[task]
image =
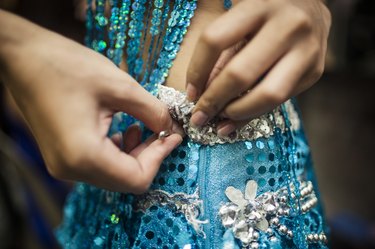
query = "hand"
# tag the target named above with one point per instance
(256, 56)
(68, 94)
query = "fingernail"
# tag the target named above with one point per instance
(191, 92)
(176, 128)
(226, 130)
(198, 119)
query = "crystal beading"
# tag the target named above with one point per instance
(189, 205)
(180, 109)
(247, 214)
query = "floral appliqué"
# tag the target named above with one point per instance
(247, 215)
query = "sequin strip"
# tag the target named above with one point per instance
(180, 109)
(188, 205)
(247, 214)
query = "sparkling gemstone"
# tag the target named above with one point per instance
(254, 216)
(263, 224)
(228, 215)
(269, 202)
(241, 230)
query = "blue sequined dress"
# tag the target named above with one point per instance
(255, 189)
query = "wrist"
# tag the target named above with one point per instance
(15, 32)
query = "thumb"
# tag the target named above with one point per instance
(133, 99)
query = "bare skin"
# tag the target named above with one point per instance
(286, 43)
(67, 93)
(225, 54)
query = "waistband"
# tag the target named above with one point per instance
(181, 109)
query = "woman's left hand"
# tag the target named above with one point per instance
(281, 53)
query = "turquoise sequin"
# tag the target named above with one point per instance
(149, 34)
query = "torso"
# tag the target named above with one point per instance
(205, 14)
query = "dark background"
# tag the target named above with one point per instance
(338, 116)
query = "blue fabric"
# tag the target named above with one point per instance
(89, 216)
(95, 218)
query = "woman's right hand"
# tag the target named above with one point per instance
(68, 94)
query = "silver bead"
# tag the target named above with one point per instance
(280, 211)
(283, 229)
(316, 237)
(325, 238)
(275, 221)
(255, 235)
(289, 234)
(310, 237)
(254, 245)
(283, 198)
(286, 212)
(163, 134)
(269, 231)
(321, 237)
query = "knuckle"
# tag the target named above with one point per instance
(209, 104)
(301, 20)
(234, 114)
(164, 118)
(238, 77)
(210, 38)
(274, 96)
(316, 60)
(192, 75)
(317, 72)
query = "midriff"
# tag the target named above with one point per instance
(206, 13)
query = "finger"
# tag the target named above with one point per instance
(278, 86)
(137, 150)
(128, 96)
(227, 127)
(224, 58)
(151, 157)
(244, 70)
(117, 139)
(243, 19)
(132, 138)
(124, 173)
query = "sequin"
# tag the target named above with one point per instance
(249, 145)
(181, 167)
(150, 33)
(189, 205)
(180, 109)
(115, 219)
(248, 214)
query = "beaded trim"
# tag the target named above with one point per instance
(180, 109)
(247, 214)
(189, 205)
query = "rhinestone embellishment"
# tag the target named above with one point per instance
(247, 214)
(180, 109)
(189, 205)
